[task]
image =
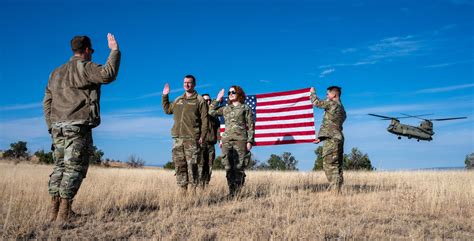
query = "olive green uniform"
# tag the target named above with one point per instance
(190, 124)
(239, 130)
(72, 108)
(208, 151)
(331, 133)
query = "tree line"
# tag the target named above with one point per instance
(355, 160)
(19, 152)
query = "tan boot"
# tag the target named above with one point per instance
(53, 211)
(64, 210)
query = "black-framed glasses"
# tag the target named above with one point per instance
(208, 100)
(231, 92)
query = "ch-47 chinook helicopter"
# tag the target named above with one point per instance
(423, 132)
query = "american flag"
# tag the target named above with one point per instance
(281, 117)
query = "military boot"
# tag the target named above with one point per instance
(64, 211)
(54, 208)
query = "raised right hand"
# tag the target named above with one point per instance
(112, 42)
(166, 89)
(220, 95)
(312, 90)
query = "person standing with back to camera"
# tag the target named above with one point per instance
(72, 108)
(238, 137)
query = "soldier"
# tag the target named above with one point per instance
(331, 133)
(71, 109)
(189, 131)
(208, 152)
(238, 137)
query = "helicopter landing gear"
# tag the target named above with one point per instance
(399, 137)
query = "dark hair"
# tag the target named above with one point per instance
(336, 89)
(206, 94)
(80, 43)
(239, 92)
(191, 77)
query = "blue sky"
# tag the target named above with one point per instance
(413, 57)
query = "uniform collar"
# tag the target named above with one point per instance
(193, 96)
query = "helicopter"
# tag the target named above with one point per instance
(423, 132)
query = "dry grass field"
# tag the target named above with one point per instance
(144, 204)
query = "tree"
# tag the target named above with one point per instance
(285, 162)
(169, 165)
(318, 164)
(275, 162)
(357, 160)
(17, 150)
(217, 164)
(135, 161)
(469, 161)
(45, 157)
(290, 161)
(96, 157)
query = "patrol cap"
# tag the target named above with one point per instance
(80, 43)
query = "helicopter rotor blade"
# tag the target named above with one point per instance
(415, 116)
(445, 119)
(383, 117)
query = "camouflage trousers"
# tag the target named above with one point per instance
(186, 159)
(235, 158)
(208, 154)
(333, 151)
(72, 150)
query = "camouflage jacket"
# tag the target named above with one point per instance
(239, 125)
(189, 114)
(73, 91)
(213, 129)
(334, 117)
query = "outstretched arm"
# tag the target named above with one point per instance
(323, 104)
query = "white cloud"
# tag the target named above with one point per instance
(447, 64)
(21, 106)
(444, 89)
(326, 72)
(264, 81)
(159, 93)
(359, 63)
(150, 127)
(395, 47)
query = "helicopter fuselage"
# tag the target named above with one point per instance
(409, 131)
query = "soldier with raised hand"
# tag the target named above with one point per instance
(238, 137)
(331, 133)
(208, 151)
(189, 131)
(71, 109)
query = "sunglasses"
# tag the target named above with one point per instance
(231, 92)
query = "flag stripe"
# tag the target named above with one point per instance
(279, 142)
(303, 107)
(296, 112)
(287, 130)
(291, 92)
(279, 106)
(280, 134)
(287, 137)
(276, 122)
(287, 117)
(285, 101)
(277, 98)
(282, 126)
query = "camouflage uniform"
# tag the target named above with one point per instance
(71, 108)
(331, 133)
(190, 124)
(208, 151)
(239, 130)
